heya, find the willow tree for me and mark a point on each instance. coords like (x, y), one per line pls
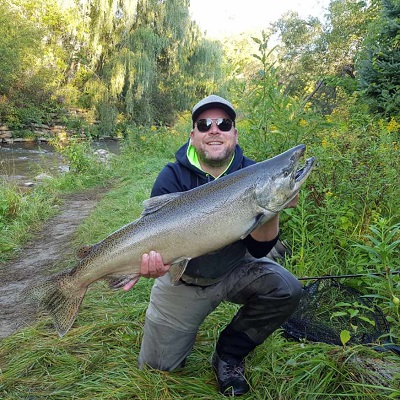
(159, 65)
(128, 60)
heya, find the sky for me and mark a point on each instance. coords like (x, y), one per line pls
(221, 18)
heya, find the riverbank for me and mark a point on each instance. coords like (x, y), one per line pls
(51, 246)
(25, 161)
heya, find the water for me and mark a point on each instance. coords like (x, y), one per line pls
(20, 162)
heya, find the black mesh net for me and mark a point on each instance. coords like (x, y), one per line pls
(328, 307)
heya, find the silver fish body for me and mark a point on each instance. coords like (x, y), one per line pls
(179, 226)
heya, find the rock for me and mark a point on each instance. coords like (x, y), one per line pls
(103, 155)
(40, 126)
(5, 134)
(102, 152)
(42, 177)
(18, 139)
(63, 168)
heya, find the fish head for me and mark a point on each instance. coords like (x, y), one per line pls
(281, 178)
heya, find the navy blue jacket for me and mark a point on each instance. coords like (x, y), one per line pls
(181, 176)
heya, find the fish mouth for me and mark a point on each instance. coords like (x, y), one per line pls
(303, 172)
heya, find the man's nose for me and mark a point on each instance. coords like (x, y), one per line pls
(214, 127)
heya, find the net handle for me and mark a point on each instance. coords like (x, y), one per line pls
(309, 278)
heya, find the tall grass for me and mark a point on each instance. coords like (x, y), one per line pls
(349, 199)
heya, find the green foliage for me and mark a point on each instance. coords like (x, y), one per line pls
(19, 38)
(80, 156)
(354, 183)
(270, 111)
(137, 64)
(29, 71)
(336, 209)
(345, 337)
(380, 62)
(382, 246)
(317, 58)
(22, 213)
(138, 61)
(157, 69)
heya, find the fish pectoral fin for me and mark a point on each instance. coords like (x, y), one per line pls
(258, 221)
(177, 269)
(119, 281)
(155, 203)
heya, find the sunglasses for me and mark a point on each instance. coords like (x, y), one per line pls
(223, 124)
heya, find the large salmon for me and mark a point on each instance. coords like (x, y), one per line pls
(179, 226)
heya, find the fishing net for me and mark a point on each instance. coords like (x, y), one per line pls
(328, 308)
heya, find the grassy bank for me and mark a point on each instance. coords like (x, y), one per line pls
(346, 222)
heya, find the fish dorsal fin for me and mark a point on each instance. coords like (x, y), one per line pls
(84, 251)
(177, 269)
(155, 203)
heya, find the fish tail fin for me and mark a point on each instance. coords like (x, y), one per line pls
(58, 299)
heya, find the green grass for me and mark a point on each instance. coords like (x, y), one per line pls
(97, 359)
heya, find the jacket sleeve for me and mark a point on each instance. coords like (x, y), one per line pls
(259, 249)
(166, 182)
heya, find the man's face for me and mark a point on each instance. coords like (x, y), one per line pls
(215, 147)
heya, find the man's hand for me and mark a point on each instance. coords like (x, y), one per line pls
(293, 202)
(152, 266)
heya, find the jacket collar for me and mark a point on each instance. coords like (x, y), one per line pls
(187, 156)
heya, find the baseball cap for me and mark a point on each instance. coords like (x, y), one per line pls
(213, 101)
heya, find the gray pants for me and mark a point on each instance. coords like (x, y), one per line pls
(268, 292)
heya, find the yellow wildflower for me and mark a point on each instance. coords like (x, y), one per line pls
(393, 125)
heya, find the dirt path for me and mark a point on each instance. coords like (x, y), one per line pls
(50, 245)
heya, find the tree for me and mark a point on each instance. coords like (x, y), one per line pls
(29, 72)
(159, 66)
(300, 52)
(135, 61)
(315, 54)
(379, 64)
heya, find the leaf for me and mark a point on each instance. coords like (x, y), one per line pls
(344, 337)
(342, 304)
(370, 321)
(258, 41)
(338, 314)
(354, 327)
(353, 312)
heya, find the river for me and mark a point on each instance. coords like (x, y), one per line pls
(20, 162)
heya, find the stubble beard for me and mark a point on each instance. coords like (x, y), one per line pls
(216, 161)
